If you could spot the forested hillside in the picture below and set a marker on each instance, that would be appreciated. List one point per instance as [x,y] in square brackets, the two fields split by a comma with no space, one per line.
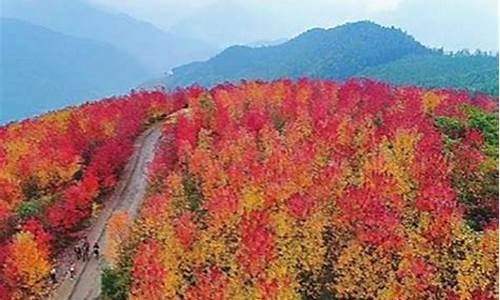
[343,164]
[317,190]
[472,72]
[361,49]
[336,53]
[56,171]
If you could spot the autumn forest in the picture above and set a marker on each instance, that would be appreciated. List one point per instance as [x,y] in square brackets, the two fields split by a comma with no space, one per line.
[287,189]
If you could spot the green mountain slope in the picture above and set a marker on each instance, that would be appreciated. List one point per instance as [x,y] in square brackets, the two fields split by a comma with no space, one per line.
[42,70]
[361,49]
[336,53]
[475,72]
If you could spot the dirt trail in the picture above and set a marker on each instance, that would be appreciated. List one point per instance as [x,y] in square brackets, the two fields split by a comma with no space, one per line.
[127,197]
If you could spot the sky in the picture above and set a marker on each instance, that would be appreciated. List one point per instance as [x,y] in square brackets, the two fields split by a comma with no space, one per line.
[452,24]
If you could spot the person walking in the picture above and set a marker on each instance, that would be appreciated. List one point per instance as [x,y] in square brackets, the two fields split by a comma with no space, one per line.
[53,275]
[78,252]
[86,250]
[72,271]
[96,250]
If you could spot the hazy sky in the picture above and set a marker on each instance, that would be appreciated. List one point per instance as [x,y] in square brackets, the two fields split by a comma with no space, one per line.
[453,24]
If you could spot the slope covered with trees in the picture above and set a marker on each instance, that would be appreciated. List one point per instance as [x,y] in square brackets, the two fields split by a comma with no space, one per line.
[336,53]
[472,72]
[318,190]
[361,49]
[55,172]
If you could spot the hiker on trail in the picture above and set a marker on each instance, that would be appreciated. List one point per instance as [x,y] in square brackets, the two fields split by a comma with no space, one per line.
[72,271]
[86,250]
[78,252]
[53,276]
[96,250]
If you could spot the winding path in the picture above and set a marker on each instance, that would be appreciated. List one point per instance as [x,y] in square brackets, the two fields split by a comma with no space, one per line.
[127,197]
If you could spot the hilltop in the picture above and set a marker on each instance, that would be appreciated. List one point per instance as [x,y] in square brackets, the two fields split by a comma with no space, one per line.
[335,53]
[359,49]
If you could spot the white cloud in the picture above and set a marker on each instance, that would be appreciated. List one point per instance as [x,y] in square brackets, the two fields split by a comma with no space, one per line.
[453,24]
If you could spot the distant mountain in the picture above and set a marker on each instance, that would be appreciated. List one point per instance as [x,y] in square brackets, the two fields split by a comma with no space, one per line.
[41,69]
[360,49]
[474,72]
[336,53]
[156,49]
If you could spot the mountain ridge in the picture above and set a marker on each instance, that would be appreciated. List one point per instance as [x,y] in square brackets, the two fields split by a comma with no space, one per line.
[337,53]
[342,53]
[43,69]
[158,50]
